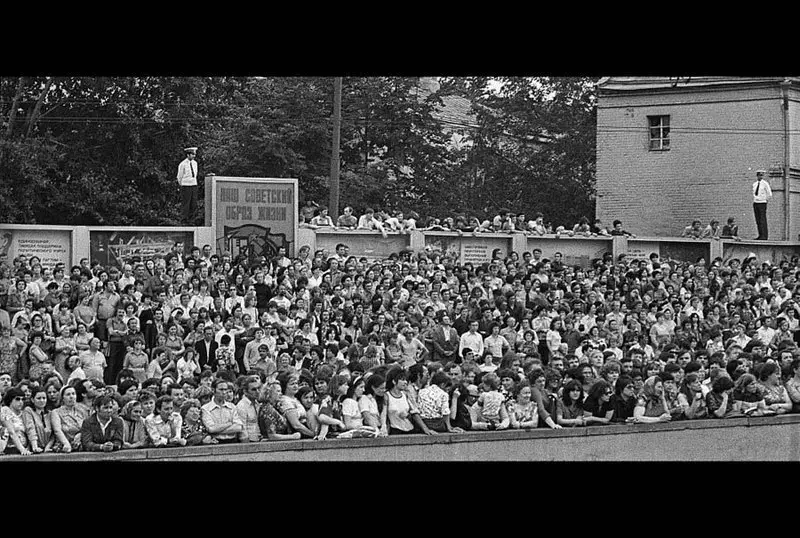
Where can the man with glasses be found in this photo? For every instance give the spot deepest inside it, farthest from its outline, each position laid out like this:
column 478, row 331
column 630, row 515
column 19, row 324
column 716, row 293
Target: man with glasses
column 220, row 416
column 248, row 408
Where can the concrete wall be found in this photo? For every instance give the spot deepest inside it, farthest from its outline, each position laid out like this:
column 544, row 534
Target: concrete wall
column 739, row 439
column 71, row 243
column 718, row 139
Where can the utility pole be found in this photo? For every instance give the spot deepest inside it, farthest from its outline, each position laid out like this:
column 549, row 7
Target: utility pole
column 333, row 206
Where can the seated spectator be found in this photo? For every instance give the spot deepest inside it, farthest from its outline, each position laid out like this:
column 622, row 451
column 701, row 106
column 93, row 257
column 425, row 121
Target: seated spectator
column 164, row 425
column 730, row 230
column 598, row 228
column 536, row 226
column 192, row 428
column 597, row 407
column 102, row 431
column 271, row 422
column 690, row 397
column 67, row 421
column 694, row 230
column 652, row 405
column 434, row 404
column 712, row 231
column 309, row 410
column 290, row 407
column 623, row 401
column 134, row 431
column 367, row 221
column 322, row 219
column 720, row 400
column 582, row 227
column 36, row 419
column 570, row 406
column 11, row 421
column 747, row 397
column 522, row 409
column 401, row 416
column 346, row 220
column 220, row 416
column 395, row 223
column 775, row 395
column 410, row 222
column 793, row 385
column 617, row 230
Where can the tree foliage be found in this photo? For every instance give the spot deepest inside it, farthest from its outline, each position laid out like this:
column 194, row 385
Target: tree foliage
column 105, row 150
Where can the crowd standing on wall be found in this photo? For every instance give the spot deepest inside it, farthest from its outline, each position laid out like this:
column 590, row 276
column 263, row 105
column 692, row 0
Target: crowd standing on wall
column 199, row 348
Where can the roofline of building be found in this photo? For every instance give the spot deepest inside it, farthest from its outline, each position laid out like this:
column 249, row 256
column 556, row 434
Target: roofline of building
column 647, row 85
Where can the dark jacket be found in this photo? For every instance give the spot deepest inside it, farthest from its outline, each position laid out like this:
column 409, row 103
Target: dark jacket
column 202, row 356
column 92, row 437
column 440, row 345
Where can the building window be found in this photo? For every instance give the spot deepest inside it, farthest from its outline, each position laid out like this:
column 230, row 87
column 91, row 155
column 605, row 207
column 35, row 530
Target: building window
column 659, row 132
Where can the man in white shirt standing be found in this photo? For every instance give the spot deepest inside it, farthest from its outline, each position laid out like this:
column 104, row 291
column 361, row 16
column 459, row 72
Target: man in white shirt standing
column 187, row 179
column 761, row 195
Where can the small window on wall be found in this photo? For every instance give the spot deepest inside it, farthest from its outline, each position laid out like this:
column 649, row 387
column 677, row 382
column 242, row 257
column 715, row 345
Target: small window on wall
column 659, row 132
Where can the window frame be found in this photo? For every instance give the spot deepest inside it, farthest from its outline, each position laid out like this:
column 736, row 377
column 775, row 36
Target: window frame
column 658, row 125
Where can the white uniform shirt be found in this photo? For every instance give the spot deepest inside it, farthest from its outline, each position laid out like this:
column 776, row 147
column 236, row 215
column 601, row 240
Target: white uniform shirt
column 764, row 192
column 187, row 173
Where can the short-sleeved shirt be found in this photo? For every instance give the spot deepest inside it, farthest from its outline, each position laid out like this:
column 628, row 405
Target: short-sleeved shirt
column 351, row 410
column 433, row 402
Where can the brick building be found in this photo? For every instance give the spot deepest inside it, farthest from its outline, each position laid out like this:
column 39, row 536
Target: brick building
column 671, row 150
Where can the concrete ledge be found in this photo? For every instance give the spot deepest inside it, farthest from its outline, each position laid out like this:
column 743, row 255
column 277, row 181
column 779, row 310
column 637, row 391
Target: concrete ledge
column 768, row 438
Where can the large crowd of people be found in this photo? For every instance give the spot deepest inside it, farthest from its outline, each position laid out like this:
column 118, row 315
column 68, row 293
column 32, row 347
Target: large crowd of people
column 194, row 347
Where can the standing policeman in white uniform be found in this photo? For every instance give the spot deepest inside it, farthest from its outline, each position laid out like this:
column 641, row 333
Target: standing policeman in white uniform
column 761, row 195
column 187, row 179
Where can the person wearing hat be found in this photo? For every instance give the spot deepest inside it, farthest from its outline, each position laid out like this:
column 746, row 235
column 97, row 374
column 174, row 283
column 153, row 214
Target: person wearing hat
column 187, row 179
column 761, row 195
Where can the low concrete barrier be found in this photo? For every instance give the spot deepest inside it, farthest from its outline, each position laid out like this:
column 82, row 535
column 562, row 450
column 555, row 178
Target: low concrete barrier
column 738, row 439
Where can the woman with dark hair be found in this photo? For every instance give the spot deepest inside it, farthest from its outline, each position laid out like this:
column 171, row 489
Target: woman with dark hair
column 623, row 401
column 775, row 395
column 271, row 422
column 289, row 406
column 372, row 403
column 545, row 386
column 67, row 421
column 523, row 410
column 690, row 397
column 37, row 356
column 36, row 419
column 351, row 414
column 192, row 428
column 53, row 389
column 747, row 397
column 652, row 404
column 597, row 407
column 570, row 406
column 11, row 420
column 400, row 416
column 309, row 410
column 719, row 401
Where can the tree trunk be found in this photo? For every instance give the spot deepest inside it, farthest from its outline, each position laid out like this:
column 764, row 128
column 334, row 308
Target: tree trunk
column 35, row 115
column 12, row 115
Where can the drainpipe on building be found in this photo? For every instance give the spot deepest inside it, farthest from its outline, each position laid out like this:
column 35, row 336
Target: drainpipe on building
column 785, row 84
